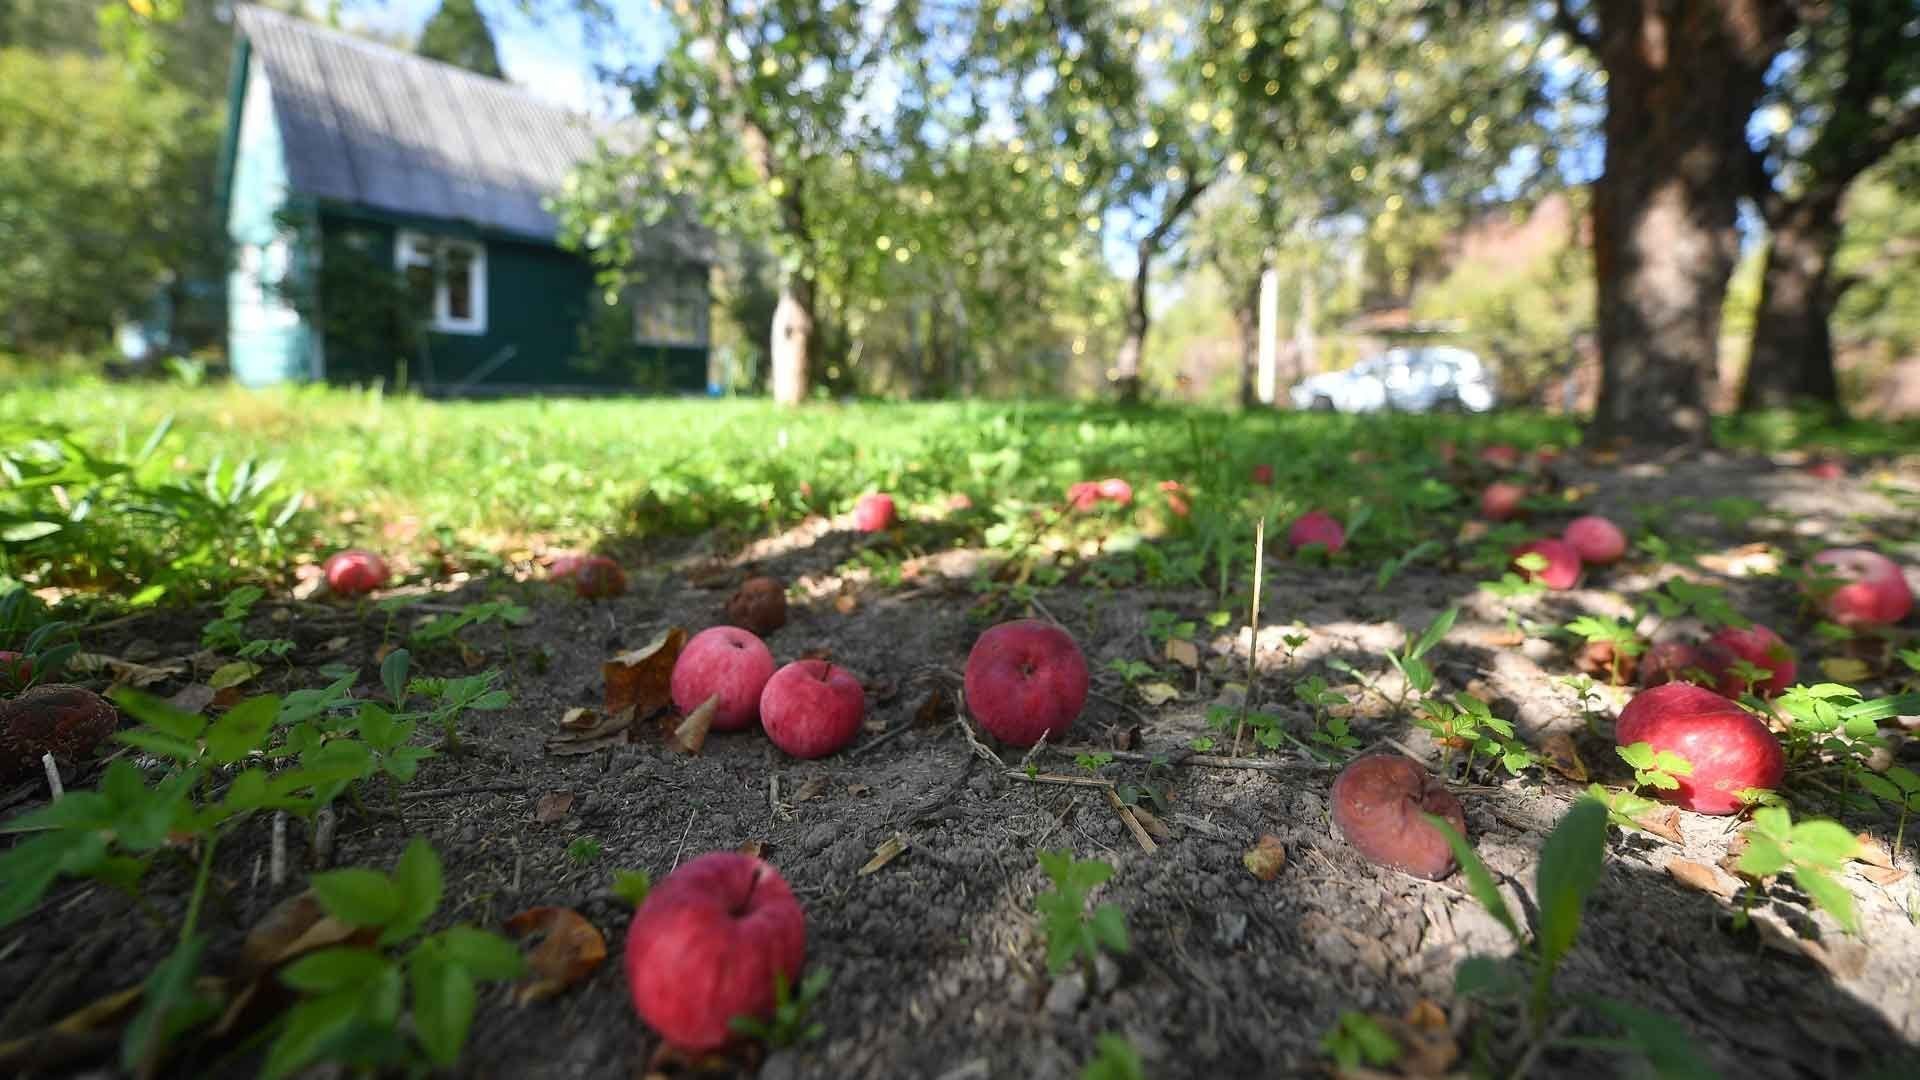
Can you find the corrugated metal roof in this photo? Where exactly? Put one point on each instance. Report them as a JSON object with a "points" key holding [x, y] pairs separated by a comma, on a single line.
{"points": [[386, 129]]}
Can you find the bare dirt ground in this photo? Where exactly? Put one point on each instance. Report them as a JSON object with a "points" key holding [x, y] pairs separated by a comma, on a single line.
{"points": [[937, 968]]}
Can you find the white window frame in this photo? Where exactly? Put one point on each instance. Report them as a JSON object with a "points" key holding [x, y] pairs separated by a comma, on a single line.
{"points": [[419, 249], [679, 282]]}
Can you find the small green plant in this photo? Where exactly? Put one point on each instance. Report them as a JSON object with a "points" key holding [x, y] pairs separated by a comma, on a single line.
{"points": [[1094, 762], [1130, 671], [1163, 625], [1334, 733], [789, 1025], [1655, 769], [1356, 1039], [1410, 662], [445, 629], [632, 885], [1621, 636], [1624, 808], [1074, 933], [1466, 722], [1114, 1059], [584, 849], [1679, 597], [1814, 852], [352, 997]]}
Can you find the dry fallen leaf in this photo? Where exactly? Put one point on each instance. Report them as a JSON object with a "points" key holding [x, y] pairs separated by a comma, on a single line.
{"points": [[1561, 757], [845, 603], [566, 949], [293, 928], [193, 698], [811, 789], [935, 708], [857, 790], [1183, 652], [885, 853], [641, 679], [233, 674], [1266, 858], [1151, 822], [1695, 876], [1747, 560], [1871, 853], [752, 848], [582, 731], [691, 734], [385, 650], [1662, 823], [1845, 669], [552, 806], [1157, 693], [1881, 875], [125, 672]]}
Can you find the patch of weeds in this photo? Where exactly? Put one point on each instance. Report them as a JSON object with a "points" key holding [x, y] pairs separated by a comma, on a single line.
{"points": [[584, 850], [1114, 1059], [1519, 993], [1094, 762], [632, 886], [1356, 1039], [1393, 567], [1467, 723], [1332, 732], [1659, 769], [1679, 597], [1625, 643], [1130, 671], [1814, 852], [1074, 932], [789, 1025], [445, 629]]}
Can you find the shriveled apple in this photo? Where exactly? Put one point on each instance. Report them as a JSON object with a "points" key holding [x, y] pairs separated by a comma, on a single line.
{"points": [[1377, 803]]}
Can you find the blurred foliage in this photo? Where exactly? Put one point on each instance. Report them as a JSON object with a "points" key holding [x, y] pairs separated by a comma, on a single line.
{"points": [[457, 33], [1878, 264]]}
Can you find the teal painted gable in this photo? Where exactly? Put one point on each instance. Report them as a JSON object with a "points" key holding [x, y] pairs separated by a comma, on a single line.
{"points": [[267, 339]]}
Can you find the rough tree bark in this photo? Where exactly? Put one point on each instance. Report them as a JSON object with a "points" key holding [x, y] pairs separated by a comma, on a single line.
{"points": [[1683, 77], [1246, 321], [1126, 363], [1791, 359], [792, 336]]}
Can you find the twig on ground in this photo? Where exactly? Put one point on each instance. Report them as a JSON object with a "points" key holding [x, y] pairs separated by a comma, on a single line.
{"points": [[1058, 778], [321, 853], [1540, 1045], [1132, 823], [682, 846], [53, 777], [884, 736], [1211, 761], [277, 854], [773, 794], [500, 786], [960, 719], [1042, 609]]}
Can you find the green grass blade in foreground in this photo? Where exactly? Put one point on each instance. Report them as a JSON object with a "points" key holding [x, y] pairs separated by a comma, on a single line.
{"points": [[1570, 863], [1479, 881]]}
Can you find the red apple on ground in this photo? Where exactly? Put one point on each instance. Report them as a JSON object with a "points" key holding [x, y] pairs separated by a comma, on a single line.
{"points": [[1668, 662], [1501, 501], [707, 944], [1263, 475], [1873, 589], [592, 576], [1176, 494], [1827, 469], [1758, 646], [873, 512], [1377, 803], [1317, 527], [810, 708], [1598, 540], [1083, 496], [1563, 563], [16, 670], [1500, 456], [759, 605], [354, 572], [1114, 489], [727, 661], [1729, 748], [1026, 680]]}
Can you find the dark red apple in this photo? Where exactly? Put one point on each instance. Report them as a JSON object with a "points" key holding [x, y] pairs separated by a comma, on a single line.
{"points": [[707, 944], [1598, 540], [1827, 469], [16, 670], [593, 576], [1377, 803], [1668, 662], [53, 718], [1501, 501], [873, 512], [1729, 748], [759, 605], [1758, 646], [727, 661], [1026, 680], [1317, 527], [1563, 563], [1873, 590], [810, 708], [1263, 475], [1500, 455], [354, 572]]}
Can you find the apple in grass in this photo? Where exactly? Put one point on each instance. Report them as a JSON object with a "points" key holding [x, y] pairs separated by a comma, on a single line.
{"points": [[1727, 748], [1599, 541], [1317, 527], [1562, 567], [810, 708], [710, 943], [593, 576], [354, 572], [1500, 455], [1263, 475], [1377, 803], [1026, 680], [873, 513], [725, 661], [1756, 645], [1501, 501], [1870, 589]]}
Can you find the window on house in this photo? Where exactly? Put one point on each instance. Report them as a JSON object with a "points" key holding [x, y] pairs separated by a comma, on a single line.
{"points": [[671, 307], [448, 280]]}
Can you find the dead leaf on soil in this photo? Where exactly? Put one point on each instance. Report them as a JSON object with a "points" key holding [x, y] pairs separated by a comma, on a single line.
{"points": [[935, 708], [566, 949], [1695, 876], [1503, 639], [1183, 652], [194, 698], [334, 644], [43, 1049], [1845, 669], [752, 848], [1747, 560], [552, 806], [1871, 853], [237, 673], [1266, 858], [124, 672], [846, 603], [1426, 1041], [384, 650], [582, 731], [1562, 758], [293, 928], [884, 854], [1662, 823], [690, 735], [857, 790], [1151, 822], [641, 678], [1882, 875], [472, 657], [1157, 693], [811, 789]]}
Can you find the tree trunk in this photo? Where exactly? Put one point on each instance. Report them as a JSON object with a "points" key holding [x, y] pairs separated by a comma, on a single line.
{"points": [[1791, 362], [1246, 319], [792, 339], [1133, 347], [1683, 78]]}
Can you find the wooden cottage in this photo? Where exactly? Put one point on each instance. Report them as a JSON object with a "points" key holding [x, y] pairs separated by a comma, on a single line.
{"points": [[387, 215]]}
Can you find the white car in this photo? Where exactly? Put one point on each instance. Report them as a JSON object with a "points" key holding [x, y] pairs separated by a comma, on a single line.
{"points": [[1420, 379]]}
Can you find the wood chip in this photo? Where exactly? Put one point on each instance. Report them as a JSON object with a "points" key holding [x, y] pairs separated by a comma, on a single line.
{"points": [[885, 853]]}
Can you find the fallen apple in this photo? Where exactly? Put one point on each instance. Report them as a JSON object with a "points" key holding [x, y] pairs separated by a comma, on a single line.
{"points": [[1501, 501], [53, 718], [354, 572], [1026, 680], [1317, 527], [1871, 589], [1669, 661], [1176, 494], [873, 513], [1598, 540], [1263, 475], [1563, 563], [1728, 749], [1113, 489], [1083, 496], [709, 944], [1756, 645], [725, 661], [759, 605], [592, 576], [811, 708], [1827, 469], [1377, 803], [1500, 455]]}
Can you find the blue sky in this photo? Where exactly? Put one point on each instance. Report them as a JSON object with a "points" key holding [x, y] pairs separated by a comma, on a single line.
{"points": [[547, 55]]}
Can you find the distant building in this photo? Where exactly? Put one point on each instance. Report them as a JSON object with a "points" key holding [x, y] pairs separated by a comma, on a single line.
{"points": [[386, 218]]}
